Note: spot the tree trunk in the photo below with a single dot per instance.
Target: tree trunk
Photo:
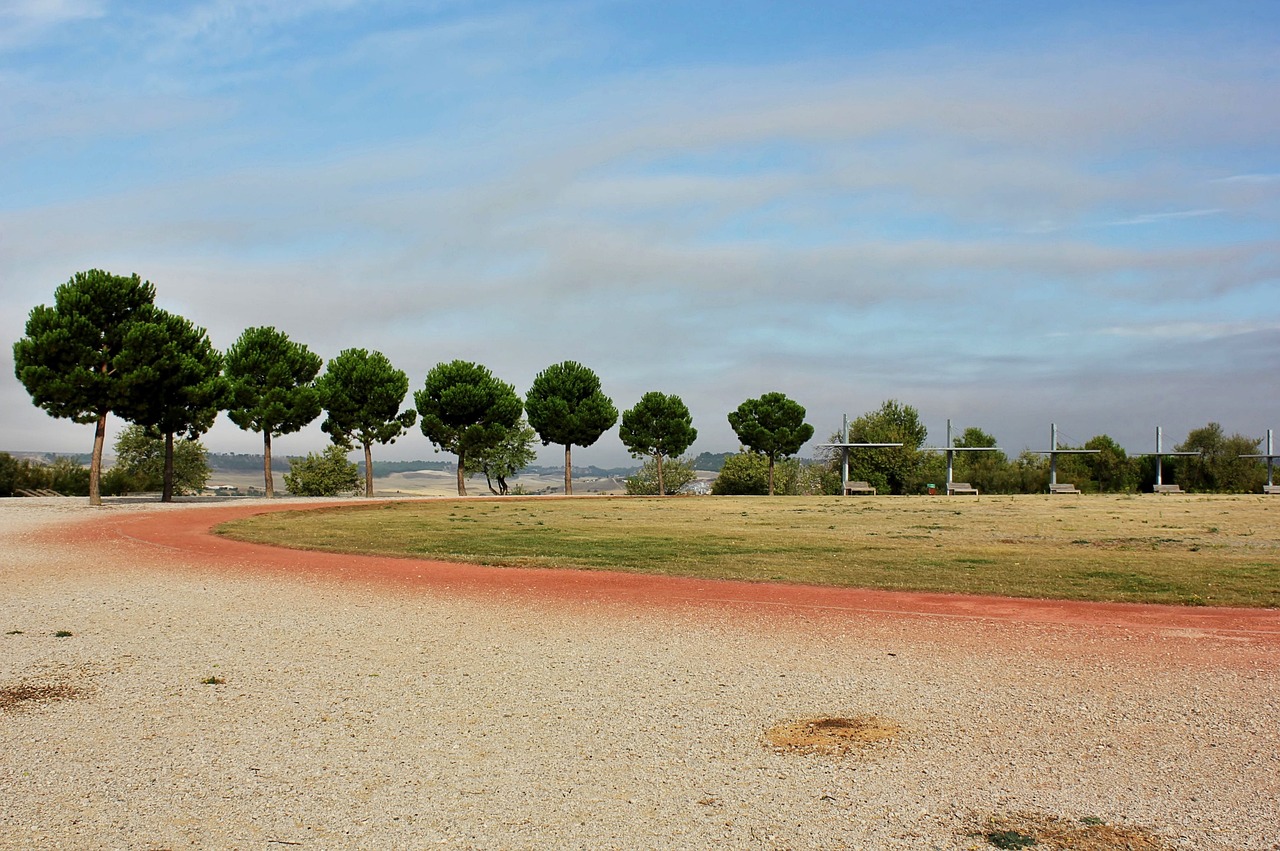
(266, 463)
(462, 481)
(568, 471)
(95, 464)
(662, 491)
(770, 475)
(166, 490)
(368, 470)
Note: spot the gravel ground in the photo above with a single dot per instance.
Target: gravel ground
(355, 716)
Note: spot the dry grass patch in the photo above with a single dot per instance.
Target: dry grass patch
(1039, 830)
(14, 696)
(1194, 550)
(832, 736)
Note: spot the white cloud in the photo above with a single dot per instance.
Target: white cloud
(23, 23)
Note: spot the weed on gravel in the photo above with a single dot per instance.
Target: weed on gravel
(1043, 831)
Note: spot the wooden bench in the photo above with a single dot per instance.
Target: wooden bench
(852, 488)
(1065, 487)
(960, 488)
(1166, 489)
(1275, 489)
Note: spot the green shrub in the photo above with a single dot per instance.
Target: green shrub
(676, 473)
(325, 474)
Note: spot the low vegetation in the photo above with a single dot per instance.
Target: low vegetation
(1219, 550)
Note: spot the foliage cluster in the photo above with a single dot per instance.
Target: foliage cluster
(63, 474)
(140, 463)
(676, 473)
(326, 473)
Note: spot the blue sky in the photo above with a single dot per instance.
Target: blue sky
(1002, 214)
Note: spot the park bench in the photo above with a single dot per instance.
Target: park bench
(960, 488)
(1275, 489)
(37, 492)
(1166, 489)
(852, 488)
(1065, 487)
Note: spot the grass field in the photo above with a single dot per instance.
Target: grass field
(1195, 550)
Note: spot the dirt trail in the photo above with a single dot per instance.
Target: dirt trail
(189, 531)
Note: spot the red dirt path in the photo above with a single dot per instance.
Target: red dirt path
(187, 532)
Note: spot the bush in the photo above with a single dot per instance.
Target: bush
(65, 475)
(140, 463)
(326, 474)
(676, 473)
(747, 474)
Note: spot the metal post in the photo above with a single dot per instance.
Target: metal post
(950, 456)
(844, 453)
(1053, 454)
(1270, 458)
(1159, 457)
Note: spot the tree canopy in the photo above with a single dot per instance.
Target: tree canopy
(362, 393)
(75, 358)
(566, 406)
(659, 426)
(464, 408)
(771, 425)
(272, 388)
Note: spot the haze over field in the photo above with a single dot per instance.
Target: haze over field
(1004, 216)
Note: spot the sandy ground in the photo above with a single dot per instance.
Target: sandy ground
(375, 703)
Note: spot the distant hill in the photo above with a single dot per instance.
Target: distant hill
(712, 462)
(238, 462)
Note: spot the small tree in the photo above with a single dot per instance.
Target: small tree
(659, 426)
(465, 409)
(74, 359)
(984, 470)
(1111, 468)
(325, 474)
(504, 459)
(1219, 467)
(142, 458)
(362, 392)
(179, 387)
(772, 425)
(647, 482)
(272, 387)
(897, 469)
(566, 406)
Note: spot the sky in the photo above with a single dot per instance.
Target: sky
(1005, 214)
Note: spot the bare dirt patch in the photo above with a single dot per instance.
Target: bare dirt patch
(1039, 830)
(832, 736)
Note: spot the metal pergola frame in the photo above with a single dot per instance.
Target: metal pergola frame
(952, 450)
(845, 447)
(1270, 458)
(1160, 455)
(1053, 452)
